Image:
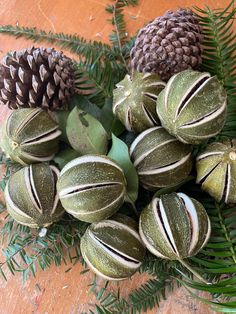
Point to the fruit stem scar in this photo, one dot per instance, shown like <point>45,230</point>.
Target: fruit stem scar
<point>232,156</point>
<point>14,145</point>
<point>127,93</point>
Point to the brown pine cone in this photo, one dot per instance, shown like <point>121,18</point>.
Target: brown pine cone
<point>36,77</point>
<point>168,45</point>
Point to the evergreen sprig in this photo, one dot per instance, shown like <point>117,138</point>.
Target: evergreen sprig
<point>163,275</point>
<point>26,250</point>
<point>119,35</point>
<point>218,259</point>
<point>147,296</point>
<point>74,43</point>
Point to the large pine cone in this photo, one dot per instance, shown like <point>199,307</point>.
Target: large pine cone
<point>36,77</point>
<point>168,45</point>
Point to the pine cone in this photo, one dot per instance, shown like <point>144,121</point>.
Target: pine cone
<point>168,45</point>
<point>36,77</point>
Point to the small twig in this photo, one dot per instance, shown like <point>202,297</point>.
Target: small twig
<point>226,233</point>
<point>118,34</point>
<point>194,272</point>
<point>17,251</point>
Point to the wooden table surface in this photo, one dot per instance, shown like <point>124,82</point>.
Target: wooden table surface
<point>56,291</point>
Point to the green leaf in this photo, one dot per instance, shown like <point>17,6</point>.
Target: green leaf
<point>120,153</point>
<point>86,134</point>
<point>84,104</point>
<point>109,121</point>
<point>61,118</point>
<point>64,156</point>
<point>105,115</point>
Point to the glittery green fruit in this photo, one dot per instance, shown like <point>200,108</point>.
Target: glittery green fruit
<point>160,159</point>
<point>112,248</point>
<point>192,107</point>
<point>31,196</point>
<point>92,187</point>
<point>174,227</point>
<point>134,101</point>
<point>30,136</point>
<point>216,170</point>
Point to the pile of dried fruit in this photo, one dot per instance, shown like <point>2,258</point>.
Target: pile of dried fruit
<point>167,120</point>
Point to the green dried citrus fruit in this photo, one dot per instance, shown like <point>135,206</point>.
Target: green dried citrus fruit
<point>216,170</point>
<point>174,226</point>
<point>134,101</point>
<point>192,107</point>
<point>160,159</point>
<point>31,196</point>
<point>112,248</point>
<point>92,187</point>
<point>30,136</point>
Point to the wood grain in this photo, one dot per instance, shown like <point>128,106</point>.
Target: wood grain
<point>56,291</point>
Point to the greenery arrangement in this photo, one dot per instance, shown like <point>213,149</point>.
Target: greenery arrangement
<point>99,68</point>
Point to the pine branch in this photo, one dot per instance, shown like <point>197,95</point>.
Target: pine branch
<point>217,259</point>
<point>219,255</point>
<point>25,250</point>
<point>226,230</point>
<point>100,74</point>
<point>6,228</point>
<point>127,47</point>
<point>119,36</point>
<point>147,296</point>
<point>74,43</point>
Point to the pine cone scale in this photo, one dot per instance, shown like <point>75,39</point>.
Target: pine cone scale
<point>13,72</point>
<point>169,44</point>
<point>36,77</point>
